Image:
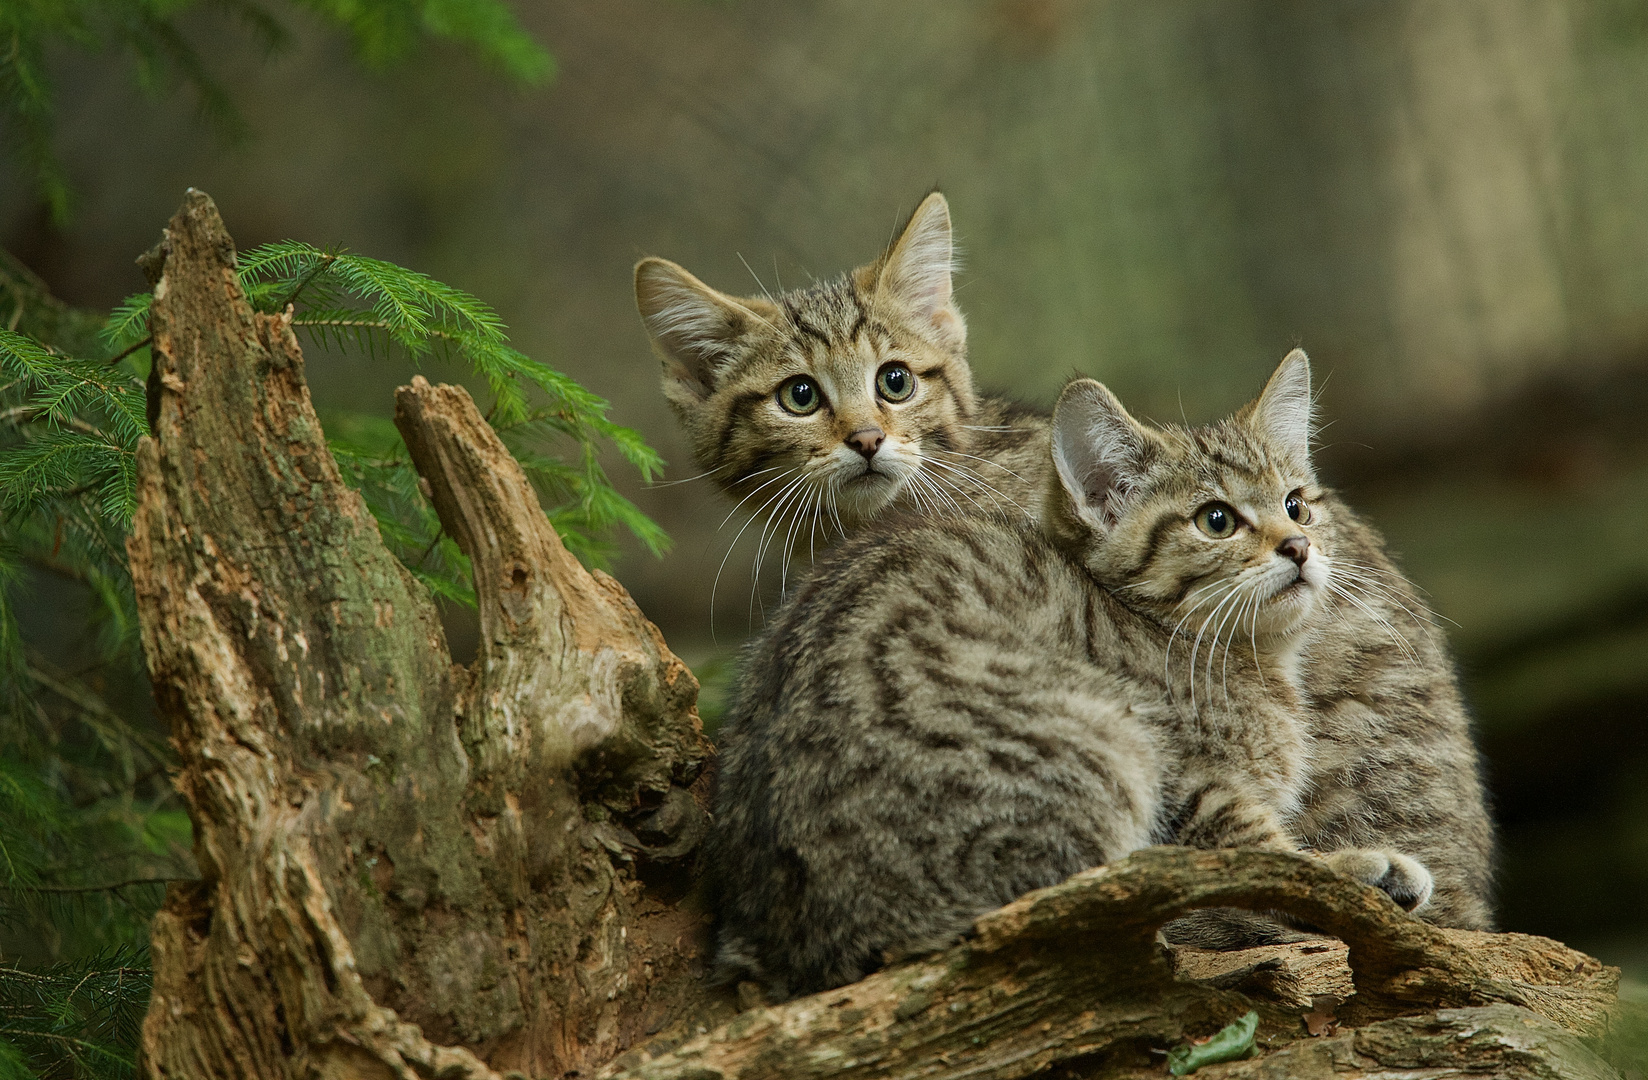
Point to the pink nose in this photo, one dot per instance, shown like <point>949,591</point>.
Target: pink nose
<point>867,441</point>
<point>1296,548</point>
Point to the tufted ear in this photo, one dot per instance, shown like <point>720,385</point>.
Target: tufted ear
<point>917,269</point>
<point>693,326</point>
<point>1281,414</point>
<point>1100,451</point>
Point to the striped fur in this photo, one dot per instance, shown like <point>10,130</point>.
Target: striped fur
<point>954,710</point>
<point>1392,766</point>
<point>725,360</point>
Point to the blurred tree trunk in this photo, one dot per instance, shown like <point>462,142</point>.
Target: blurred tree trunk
<point>412,869</point>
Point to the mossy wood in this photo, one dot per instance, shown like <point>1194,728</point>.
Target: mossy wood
<point>413,869</point>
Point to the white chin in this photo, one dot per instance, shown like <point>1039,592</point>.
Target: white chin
<point>1287,608</point>
<point>866,495</point>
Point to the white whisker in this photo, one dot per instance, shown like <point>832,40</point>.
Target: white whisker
<point>700,476</point>
<point>1253,638</point>
<point>1236,626</point>
<point>753,274</point>
<point>1389,595</point>
<point>1231,594</point>
<point>987,461</point>
<point>769,533</point>
<point>790,539</point>
<point>1167,656</point>
<point>972,477</point>
<point>716,584</point>
<point>1218,631</point>
<point>940,496</point>
<point>752,495</point>
<point>812,530</point>
<point>1401,641</point>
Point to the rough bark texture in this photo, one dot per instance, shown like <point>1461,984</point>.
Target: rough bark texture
<point>412,869</point>
<point>1073,974</point>
<point>402,871</point>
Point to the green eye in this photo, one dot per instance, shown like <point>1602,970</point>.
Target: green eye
<point>1217,520</point>
<point>1298,509</point>
<point>800,396</point>
<point>896,382</point>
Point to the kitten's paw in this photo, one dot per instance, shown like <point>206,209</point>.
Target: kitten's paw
<point>1406,880</point>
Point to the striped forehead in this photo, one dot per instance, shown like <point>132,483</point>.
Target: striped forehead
<point>1229,448</point>
<point>828,314</point>
<point>1219,459</point>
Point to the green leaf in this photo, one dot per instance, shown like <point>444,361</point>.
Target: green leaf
<point>1233,1041</point>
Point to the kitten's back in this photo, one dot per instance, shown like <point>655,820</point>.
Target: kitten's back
<point>920,737</point>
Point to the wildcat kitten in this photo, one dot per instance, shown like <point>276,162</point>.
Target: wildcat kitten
<point>901,757</point>
<point>1394,766</point>
<point>848,397</point>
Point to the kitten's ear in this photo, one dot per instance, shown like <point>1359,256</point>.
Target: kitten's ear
<point>692,325</point>
<point>1282,411</point>
<point>916,271</point>
<point>1100,451</point>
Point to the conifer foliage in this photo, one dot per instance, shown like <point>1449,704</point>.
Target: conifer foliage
<point>66,494</point>
<point>90,827</point>
<point>154,36</point>
<point>67,452</point>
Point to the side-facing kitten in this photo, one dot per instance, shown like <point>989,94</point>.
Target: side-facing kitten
<point>1395,766</point>
<point>949,713</point>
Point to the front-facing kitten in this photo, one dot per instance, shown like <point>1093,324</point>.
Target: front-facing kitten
<point>1395,766</point>
<point>951,712</point>
<point>844,398</point>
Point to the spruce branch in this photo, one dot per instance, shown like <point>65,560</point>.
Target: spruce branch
<point>147,31</point>
<point>112,886</point>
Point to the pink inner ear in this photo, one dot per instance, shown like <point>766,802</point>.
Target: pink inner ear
<point>945,320</point>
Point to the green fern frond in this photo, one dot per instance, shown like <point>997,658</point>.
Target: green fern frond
<point>11,637</point>
<point>424,317</point>
<point>162,57</point>
<point>71,414</point>
<point>490,27</point>
<point>22,357</point>
<point>67,463</point>
<point>26,99</point>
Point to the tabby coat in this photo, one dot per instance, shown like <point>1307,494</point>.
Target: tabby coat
<point>903,754</point>
<point>1393,764</point>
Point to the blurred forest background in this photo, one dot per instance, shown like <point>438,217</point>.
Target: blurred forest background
<point>1444,203</point>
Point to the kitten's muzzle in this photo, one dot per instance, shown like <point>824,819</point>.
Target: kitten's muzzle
<point>1296,548</point>
<point>866,441</point>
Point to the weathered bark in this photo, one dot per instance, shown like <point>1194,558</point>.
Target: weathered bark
<point>402,872</point>
<point>412,869</point>
<point>1073,974</point>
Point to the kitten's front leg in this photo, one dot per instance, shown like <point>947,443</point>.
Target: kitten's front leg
<point>1223,815</point>
<point>1243,767</point>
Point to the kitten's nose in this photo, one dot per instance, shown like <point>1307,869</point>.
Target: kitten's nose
<point>1296,548</point>
<point>866,441</point>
